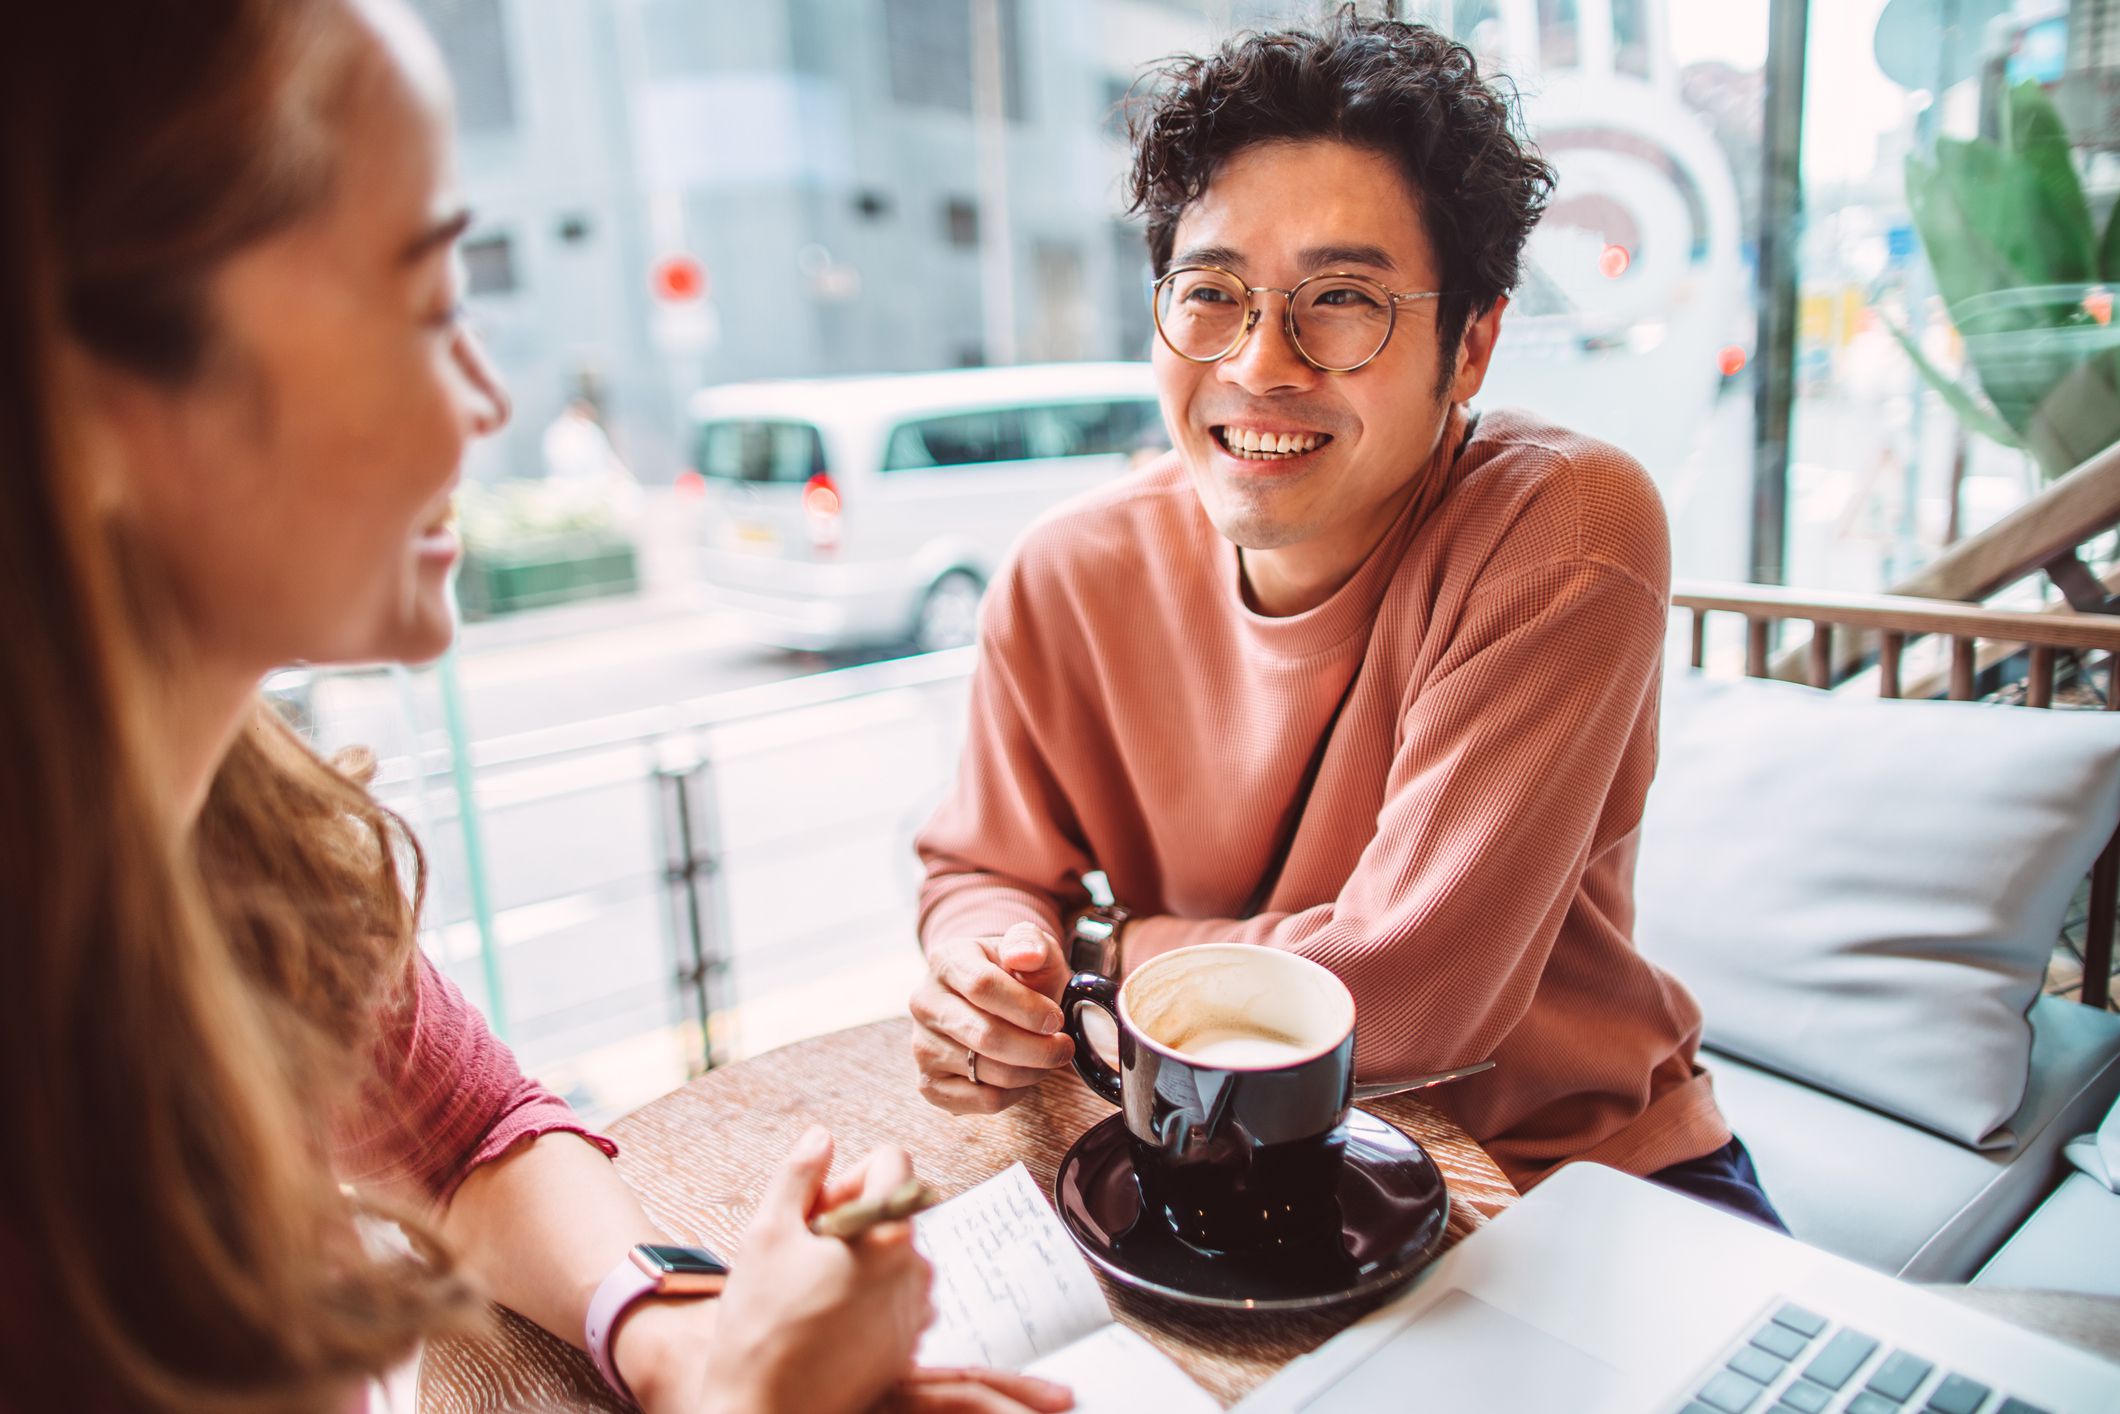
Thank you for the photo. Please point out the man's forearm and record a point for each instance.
(981, 906)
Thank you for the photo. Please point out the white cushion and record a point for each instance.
(1864, 894)
(2098, 1153)
(2067, 1246)
(1901, 1199)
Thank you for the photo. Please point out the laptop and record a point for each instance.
(1600, 1293)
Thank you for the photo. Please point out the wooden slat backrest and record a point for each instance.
(1898, 618)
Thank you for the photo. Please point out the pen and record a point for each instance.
(850, 1220)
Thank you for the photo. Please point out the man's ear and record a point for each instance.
(1476, 351)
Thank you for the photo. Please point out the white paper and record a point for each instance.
(1009, 1285)
(1113, 1370)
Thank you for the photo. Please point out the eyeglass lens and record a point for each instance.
(1341, 321)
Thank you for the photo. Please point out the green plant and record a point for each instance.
(527, 518)
(2021, 265)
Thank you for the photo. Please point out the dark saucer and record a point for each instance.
(1393, 1208)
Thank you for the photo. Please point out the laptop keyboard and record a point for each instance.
(1796, 1362)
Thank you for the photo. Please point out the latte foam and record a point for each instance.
(1241, 1048)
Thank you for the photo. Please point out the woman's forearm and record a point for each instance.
(541, 1226)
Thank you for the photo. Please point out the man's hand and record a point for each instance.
(986, 1019)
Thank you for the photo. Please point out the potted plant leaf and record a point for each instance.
(2023, 270)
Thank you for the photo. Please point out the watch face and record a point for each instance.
(669, 1260)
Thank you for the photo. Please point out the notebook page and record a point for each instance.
(1009, 1284)
(1113, 1370)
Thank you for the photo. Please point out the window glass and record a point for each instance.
(929, 46)
(472, 39)
(1630, 37)
(961, 439)
(489, 265)
(1956, 350)
(1095, 429)
(778, 452)
(1559, 34)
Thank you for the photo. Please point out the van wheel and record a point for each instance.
(949, 615)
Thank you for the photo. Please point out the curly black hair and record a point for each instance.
(1403, 90)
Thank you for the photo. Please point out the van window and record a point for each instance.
(1121, 427)
(961, 439)
(757, 450)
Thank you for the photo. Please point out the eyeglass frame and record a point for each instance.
(1288, 312)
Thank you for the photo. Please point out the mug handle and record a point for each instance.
(1091, 989)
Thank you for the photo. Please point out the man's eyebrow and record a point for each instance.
(1323, 255)
(440, 235)
(1317, 257)
(1222, 255)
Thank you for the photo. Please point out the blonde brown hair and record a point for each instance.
(181, 1015)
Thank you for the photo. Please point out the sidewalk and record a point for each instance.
(650, 604)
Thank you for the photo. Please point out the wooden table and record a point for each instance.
(699, 1155)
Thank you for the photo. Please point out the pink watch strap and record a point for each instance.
(626, 1284)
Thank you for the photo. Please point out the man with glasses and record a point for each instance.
(1354, 671)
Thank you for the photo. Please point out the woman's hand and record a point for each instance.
(807, 1323)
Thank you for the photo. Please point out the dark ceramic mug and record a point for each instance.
(1236, 1068)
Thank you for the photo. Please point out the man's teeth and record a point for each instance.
(1262, 446)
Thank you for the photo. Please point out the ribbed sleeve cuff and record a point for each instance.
(536, 1113)
(983, 909)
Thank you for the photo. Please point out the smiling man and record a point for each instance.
(1353, 672)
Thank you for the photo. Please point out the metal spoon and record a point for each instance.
(1379, 1089)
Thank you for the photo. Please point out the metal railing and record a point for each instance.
(661, 871)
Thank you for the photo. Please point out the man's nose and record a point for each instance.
(1266, 361)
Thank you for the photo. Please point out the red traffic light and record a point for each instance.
(678, 279)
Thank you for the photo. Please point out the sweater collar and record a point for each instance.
(1324, 630)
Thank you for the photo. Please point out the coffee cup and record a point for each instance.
(1236, 1068)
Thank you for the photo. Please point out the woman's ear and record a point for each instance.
(117, 421)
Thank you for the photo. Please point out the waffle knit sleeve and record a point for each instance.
(1498, 800)
(1004, 847)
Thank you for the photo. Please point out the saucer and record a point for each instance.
(1393, 1208)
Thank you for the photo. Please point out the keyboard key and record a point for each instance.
(2018, 1406)
(1956, 1395)
(1899, 1376)
(1868, 1403)
(1780, 1341)
(1756, 1364)
(1842, 1357)
(1696, 1407)
(1805, 1323)
(1806, 1397)
(1731, 1393)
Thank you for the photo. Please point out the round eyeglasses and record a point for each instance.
(1336, 321)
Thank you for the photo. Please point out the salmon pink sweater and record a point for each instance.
(1465, 859)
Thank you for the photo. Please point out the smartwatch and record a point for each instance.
(1094, 944)
(650, 1269)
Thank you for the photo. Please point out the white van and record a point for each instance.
(845, 512)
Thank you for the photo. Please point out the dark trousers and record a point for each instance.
(1724, 1179)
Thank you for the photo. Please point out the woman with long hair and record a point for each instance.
(235, 393)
